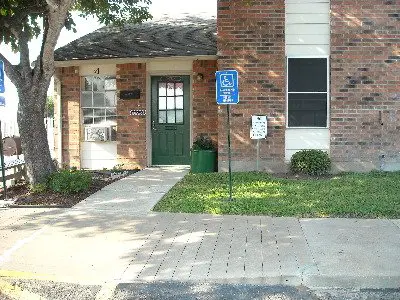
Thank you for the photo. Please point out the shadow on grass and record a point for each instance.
(367, 195)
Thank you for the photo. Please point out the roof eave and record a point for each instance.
(78, 62)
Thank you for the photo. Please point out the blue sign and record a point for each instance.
(1, 77)
(2, 101)
(227, 87)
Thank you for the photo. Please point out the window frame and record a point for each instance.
(111, 124)
(166, 96)
(81, 92)
(327, 91)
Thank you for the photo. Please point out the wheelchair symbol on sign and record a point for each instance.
(227, 81)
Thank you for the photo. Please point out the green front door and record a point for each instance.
(170, 120)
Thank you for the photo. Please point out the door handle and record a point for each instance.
(153, 127)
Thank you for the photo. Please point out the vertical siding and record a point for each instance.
(307, 29)
(307, 33)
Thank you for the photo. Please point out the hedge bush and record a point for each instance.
(70, 181)
(312, 162)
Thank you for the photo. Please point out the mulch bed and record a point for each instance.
(22, 196)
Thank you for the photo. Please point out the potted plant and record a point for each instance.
(204, 155)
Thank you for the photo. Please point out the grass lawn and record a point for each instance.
(368, 195)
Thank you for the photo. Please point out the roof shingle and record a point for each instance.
(188, 37)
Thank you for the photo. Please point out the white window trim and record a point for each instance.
(327, 92)
(81, 107)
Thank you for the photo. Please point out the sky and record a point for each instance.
(159, 9)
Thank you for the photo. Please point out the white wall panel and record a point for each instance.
(93, 70)
(172, 66)
(311, 29)
(98, 155)
(307, 30)
(307, 7)
(308, 50)
(307, 39)
(297, 139)
(307, 18)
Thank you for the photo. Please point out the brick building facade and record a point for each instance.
(325, 73)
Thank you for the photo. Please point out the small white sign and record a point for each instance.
(258, 128)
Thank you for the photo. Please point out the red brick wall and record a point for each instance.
(205, 117)
(365, 80)
(251, 39)
(131, 130)
(71, 133)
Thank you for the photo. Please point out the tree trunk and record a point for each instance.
(35, 146)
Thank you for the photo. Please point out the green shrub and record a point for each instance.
(312, 162)
(203, 142)
(70, 181)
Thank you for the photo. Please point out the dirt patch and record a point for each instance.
(22, 195)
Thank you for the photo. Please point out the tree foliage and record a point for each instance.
(23, 20)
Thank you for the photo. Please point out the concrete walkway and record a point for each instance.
(135, 194)
(112, 238)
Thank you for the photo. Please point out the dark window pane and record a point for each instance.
(87, 83)
(99, 112)
(162, 117)
(111, 112)
(98, 99)
(307, 74)
(307, 110)
(87, 99)
(98, 84)
(98, 120)
(87, 112)
(87, 120)
(113, 133)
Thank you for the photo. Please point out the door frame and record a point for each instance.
(149, 140)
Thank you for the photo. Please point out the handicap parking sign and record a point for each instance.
(227, 87)
(1, 77)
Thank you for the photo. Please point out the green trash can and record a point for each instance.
(203, 161)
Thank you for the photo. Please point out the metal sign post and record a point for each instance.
(2, 103)
(228, 112)
(3, 171)
(228, 93)
(258, 131)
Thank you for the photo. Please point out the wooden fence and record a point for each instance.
(14, 166)
(14, 171)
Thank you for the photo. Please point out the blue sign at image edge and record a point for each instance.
(227, 87)
(2, 89)
(2, 101)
